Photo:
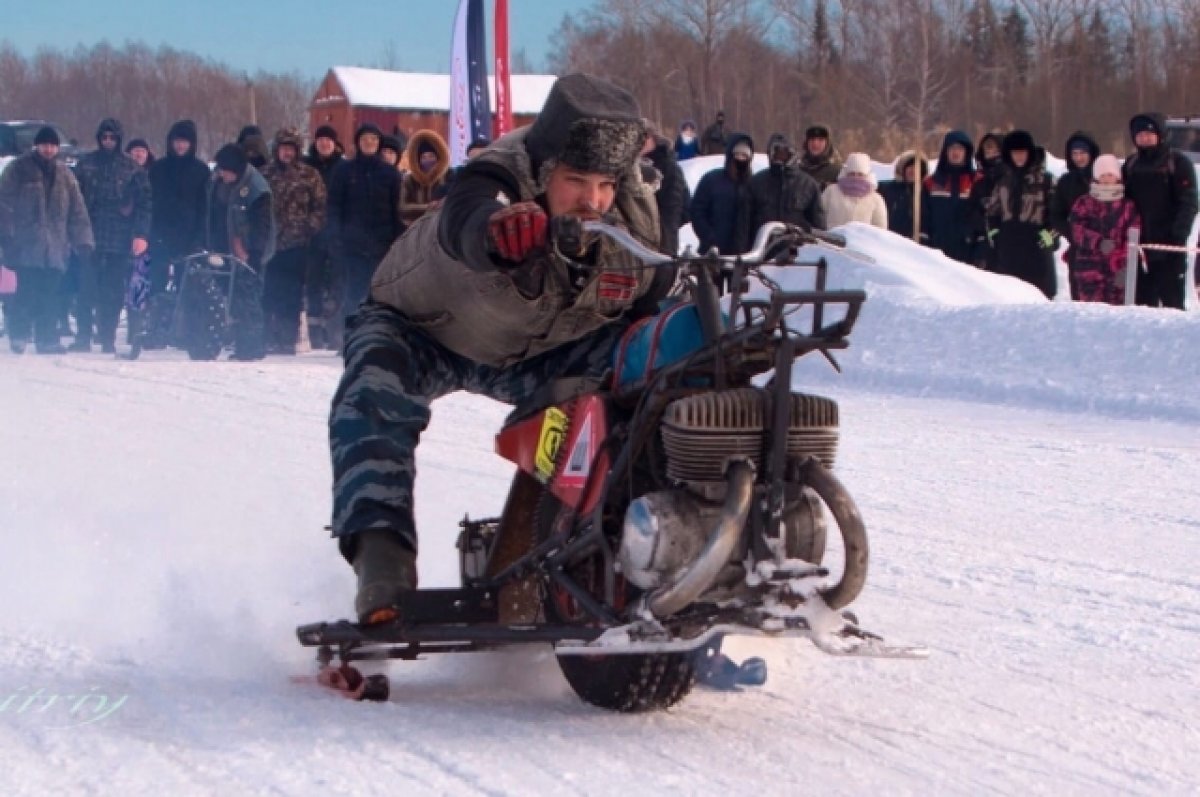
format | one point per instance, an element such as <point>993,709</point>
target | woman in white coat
<point>853,196</point>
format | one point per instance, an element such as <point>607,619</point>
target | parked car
<point>1183,134</point>
<point>16,138</point>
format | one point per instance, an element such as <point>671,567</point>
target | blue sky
<point>305,35</point>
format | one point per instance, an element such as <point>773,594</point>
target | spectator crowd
<point>315,224</point>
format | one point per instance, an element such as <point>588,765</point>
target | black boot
<point>386,568</point>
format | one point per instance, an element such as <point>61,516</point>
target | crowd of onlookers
<point>995,205</point>
<point>313,224</point>
<point>316,224</point>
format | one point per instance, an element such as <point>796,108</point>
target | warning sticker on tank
<point>554,431</point>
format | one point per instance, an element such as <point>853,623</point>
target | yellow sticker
<point>554,432</point>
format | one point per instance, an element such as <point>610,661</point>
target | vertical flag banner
<point>470,107</point>
<point>477,72</point>
<point>503,122</point>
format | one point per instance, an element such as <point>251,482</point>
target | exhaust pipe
<point>699,577</point>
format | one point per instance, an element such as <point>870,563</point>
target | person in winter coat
<point>254,144</point>
<point>990,162</point>
<point>1023,201</point>
<point>950,224</point>
<point>820,160</point>
<point>323,284</point>
<point>429,157</point>
<point>672,195</point>
<point>139,150</point>
<point>1100,222</point>
<point>721,208</point>
<point>363,215</point>
<point>783,192</point>
<point>469,300</point>
<point>686,145</point>
<point>715,141</point>
<point>898,193</point>
<point>853,196</point>
<point>1162,183</point>
<point>475,148</point>
<point>390,151</point>
<point>179,185</point>
<point>42,218</point>
<point>1080,152</point>
<point>298,202</point>
<point>117,194</point>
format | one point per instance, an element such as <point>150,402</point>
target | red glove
<point>517,230</point>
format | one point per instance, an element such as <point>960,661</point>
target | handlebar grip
<point>566,234</point>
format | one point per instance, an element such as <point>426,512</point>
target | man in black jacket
<point>117,194</point>
<point>179,185</point>
<point>1162,183</point>
<point>322,280</point>
<point>721,209</point>
<point>363,215</point>
<point>784,192</point>
<point>1081,152</point>
<point>673,195</point>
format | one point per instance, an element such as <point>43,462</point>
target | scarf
<point>1108,193</point>
<point>854,186</point>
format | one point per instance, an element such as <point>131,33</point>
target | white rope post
<point>1132,263</point>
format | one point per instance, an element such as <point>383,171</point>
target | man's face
<point>427,161</point>
<point>1081,158</point>
<point>991,149</point>
<point>1019,157</point>
<point>227,177</point>
<point>570,192</point>
<point>956,154</point>
<point>390,156</point>
<point>910,173</point>
<point>140,155</point>
<point>816,146</point>
<point>1146,139</point>
<point>325,146</point>
<point>108,141</point>
<point>47,151</point>
<point>180,146</point>
<point>780,153</point>
<point>368,144</point>
<point>286,153</point>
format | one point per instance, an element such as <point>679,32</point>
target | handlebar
<point>762,242</point>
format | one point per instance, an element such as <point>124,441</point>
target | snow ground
<point>1027,471</point>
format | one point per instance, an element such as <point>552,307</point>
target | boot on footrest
<point>386,568</point>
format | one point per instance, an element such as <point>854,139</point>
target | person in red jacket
<point>1100,222</point>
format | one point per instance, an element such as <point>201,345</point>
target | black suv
<point>16,138</point>
<point>1183,134</point>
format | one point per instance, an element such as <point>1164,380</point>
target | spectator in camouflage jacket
<point>117,194</point>
<point>298,202</point>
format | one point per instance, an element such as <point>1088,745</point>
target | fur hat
<point>232,158</point>
<point>588,124</point>
<point>1106,164</point>
<point>390,142</point>
<point>816,131</point>
<point>325,131</point>
<point>288,135</point>
<point>47,135</point>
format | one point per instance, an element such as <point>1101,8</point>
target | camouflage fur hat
<point>588,124</point>
<point>289,135</point>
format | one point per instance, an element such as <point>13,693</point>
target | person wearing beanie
<point>390,151</point>
<point>1100,222</point>
<point>949,216</point>
<point>1080,152</point>
<point>179,193</point>
<point>1161,181</point>
<point>820,160</point>
<point>783,191</point>
<point>140,151</point>
<point>897,195</point>
<point>43,219</point>
<point>989,163</point>
<point>722,205</point>
<point>471,299</point>
<point>363,215</point>
<point>853,197</point>
<point>1023,204</point>
<point>322,282</point>
<point>429,159</point>
<point>117,194</point>
<point>298,202</point>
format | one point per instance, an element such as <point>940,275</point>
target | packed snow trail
<point>163,539</point>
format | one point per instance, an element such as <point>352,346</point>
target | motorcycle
<point>678,500</point>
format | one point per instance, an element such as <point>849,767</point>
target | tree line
<point>147,89</point>
<point>887,76</point>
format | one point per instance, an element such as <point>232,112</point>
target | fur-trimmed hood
<point>422,140</point>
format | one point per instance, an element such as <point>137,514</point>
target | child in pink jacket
<point>1100,223</point>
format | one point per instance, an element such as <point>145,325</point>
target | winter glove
<point>1047,239</point>
<point>1107,246</point>
<point>138,247</point>
<point>517,230</point>
<point>991,236</point>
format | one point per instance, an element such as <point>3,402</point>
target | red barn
<point>405,102</point>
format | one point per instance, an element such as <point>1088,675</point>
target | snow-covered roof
<point>421,91</point>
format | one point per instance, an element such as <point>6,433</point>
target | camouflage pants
<point>393,371</point>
